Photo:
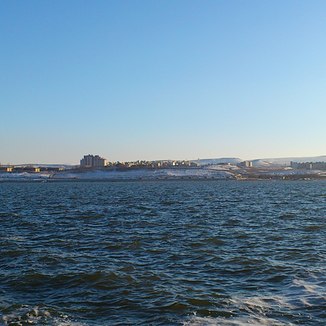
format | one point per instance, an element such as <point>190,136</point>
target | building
<point>309,165</point>
<point>246,164</point>
<point>92,161</point>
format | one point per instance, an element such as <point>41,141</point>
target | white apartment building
<point>92,161</point>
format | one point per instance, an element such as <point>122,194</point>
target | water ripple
<point>163,253</point>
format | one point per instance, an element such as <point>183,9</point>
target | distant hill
<point>261,162</point>
<point>64,166</point>
<point>223,160</point>
<point>286,160</point>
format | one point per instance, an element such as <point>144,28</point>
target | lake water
<point>163,253</point>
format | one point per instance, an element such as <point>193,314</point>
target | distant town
<point>97,167</point>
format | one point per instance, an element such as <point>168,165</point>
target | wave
<point>36,315</point>
<point>253,321</point>
<point>300,297</point>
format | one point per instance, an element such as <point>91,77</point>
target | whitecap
<point>27,315</point>
<point>235,321</point>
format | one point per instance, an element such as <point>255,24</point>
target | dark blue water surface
<point>163,253</point>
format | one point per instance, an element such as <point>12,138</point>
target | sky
<point>166,79</point>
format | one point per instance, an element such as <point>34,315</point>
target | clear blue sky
<point>165,79</point>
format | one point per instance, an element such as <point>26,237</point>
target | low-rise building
<point>309,165</point>
<point>246,164</point>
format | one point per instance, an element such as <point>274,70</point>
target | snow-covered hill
<point>223,160</point>
<point>285,161</point>
<point>146,174</point>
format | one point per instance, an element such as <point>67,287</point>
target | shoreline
<point>169,179</point>
<point>216,173</point>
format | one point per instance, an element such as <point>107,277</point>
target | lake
<point>163,253</point>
